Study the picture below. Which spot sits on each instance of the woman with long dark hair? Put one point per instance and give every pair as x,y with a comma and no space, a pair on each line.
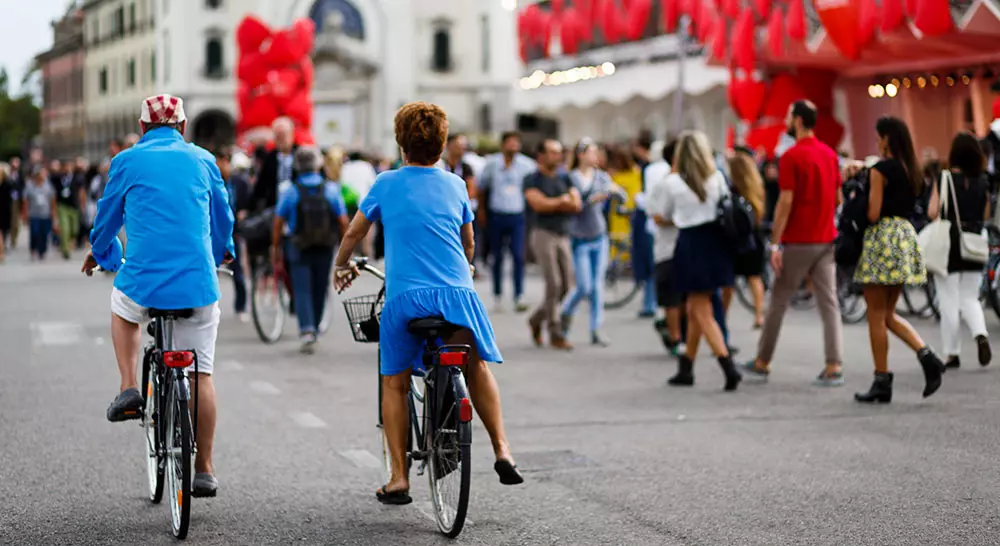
748,184
891,259
968,192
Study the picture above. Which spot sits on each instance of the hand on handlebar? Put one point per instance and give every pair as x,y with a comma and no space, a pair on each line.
89,265
344,275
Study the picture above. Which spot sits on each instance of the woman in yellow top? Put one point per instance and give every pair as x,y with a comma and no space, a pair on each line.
627,176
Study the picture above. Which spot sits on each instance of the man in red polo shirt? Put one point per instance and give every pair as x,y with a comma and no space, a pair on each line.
802,241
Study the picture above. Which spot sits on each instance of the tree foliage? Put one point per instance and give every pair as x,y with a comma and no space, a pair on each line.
20,119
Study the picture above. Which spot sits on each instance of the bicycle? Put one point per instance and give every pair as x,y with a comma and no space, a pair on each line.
271,301
170,424
440,437
989,290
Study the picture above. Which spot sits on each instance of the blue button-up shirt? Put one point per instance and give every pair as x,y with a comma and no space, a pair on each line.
506,183
171,199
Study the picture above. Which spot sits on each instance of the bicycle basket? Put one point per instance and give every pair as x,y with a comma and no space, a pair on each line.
363,315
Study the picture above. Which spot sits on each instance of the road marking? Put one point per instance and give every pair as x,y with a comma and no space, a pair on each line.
56,333
305,419
264,387
362,458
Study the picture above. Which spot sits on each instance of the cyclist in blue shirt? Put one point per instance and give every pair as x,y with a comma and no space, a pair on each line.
427,220
171,199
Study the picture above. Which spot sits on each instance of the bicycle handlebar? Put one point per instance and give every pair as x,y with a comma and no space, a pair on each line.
361,262
221,269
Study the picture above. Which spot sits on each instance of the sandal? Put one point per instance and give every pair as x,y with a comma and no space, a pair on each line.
508,472
397,498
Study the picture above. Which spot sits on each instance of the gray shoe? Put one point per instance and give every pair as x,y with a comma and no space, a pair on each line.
751,371
824,379
308,343
126,406
204,485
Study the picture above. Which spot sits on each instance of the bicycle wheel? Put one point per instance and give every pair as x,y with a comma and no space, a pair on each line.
178,455
151,425
619,282
450,449
268,304
852,305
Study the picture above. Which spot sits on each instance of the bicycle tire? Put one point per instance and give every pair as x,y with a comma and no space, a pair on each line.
993,297
619,271
273,333
179,464
452,526
155,469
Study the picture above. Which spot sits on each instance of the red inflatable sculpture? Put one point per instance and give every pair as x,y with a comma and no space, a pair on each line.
275,76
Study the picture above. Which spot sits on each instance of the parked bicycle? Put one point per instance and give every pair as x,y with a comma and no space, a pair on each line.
440,438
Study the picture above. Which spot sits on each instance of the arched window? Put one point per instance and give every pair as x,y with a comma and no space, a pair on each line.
441,56
325,12
213,58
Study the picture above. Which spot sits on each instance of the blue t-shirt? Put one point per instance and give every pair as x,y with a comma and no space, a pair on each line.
288,202
173,203
422,210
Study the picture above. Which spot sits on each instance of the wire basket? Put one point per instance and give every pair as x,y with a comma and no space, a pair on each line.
363,314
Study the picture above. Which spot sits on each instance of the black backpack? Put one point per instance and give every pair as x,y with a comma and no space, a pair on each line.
736,218
315,224
852,224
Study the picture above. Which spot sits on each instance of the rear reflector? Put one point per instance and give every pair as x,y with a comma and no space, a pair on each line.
464,410
991,274
453,359
178,359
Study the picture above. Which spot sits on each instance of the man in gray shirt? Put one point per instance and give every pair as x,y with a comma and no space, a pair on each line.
554,200
501,193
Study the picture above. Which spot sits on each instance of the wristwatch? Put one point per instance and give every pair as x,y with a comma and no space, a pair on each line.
774,248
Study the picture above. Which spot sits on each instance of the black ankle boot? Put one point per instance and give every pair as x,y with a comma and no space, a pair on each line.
984,349
933,368
733,376
685,373
881,390
953,363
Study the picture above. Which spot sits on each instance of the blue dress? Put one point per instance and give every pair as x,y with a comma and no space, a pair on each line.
422,211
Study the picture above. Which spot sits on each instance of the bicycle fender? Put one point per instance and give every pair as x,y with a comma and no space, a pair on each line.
461,391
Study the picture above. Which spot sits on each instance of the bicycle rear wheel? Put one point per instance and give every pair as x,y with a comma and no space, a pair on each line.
268,304
151,426
450,449
619,282
178,455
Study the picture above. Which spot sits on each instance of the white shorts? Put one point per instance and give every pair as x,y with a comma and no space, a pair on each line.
198,332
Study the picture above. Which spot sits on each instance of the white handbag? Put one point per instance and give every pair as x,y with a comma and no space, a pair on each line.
935,239
973,246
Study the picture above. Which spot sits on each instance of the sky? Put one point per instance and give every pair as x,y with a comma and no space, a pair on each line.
26,32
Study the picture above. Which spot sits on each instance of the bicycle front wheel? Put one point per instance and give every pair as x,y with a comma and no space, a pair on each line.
450,457
268,304
178,455
619,282
151,426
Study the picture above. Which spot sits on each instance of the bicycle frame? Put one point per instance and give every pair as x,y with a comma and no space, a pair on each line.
435,383
171,378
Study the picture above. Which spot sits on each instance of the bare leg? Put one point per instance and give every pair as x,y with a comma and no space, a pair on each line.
757,288
694,332
700,311
727,298
898,325
126,337
204,389
396,423
485,396
878,311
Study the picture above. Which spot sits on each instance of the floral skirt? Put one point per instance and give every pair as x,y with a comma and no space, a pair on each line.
890,255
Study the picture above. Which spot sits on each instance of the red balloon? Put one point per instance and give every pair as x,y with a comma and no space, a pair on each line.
840,19
744,45
585,15
257,111
300,109
747,98
933,17
817,86
638,17
776,34
251,33
718,41
569,34
912,7
557,6
284,82
868,20
763,8
283,50
892,15
829,131
706,24
304,137
730,137
252,69
304,34
765,137
731,8
611,25
670,12
308,72
796,21
546,21
784,91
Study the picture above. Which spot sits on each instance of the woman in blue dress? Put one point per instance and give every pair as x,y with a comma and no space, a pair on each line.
427,220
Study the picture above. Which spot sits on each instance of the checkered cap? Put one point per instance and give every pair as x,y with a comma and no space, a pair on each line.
162,109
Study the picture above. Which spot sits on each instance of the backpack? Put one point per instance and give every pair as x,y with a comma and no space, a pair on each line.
736,218
315,224
852,224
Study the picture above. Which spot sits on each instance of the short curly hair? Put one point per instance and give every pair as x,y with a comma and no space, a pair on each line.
421,131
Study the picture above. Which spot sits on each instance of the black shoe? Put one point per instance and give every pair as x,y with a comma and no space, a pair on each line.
685,373
733,376
881,390
933,368
953,363
733,351
126,406
985,351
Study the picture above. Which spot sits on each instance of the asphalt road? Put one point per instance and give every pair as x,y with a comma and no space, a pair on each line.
610,453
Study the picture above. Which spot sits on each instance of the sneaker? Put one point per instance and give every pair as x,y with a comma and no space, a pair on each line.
751,371
243,317
597,339
678,349
308,341
824,379
126,406
565,322
520,307
204,485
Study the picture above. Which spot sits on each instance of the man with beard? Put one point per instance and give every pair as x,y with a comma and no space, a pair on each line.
802,242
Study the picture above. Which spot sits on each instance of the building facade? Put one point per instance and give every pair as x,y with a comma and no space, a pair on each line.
63,118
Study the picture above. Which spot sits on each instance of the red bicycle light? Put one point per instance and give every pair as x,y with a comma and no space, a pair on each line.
464,410
453,358
178,359
991,274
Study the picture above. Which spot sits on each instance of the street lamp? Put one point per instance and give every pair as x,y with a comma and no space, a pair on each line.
682,38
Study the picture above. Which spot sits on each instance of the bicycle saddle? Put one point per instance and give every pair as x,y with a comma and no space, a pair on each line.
432,327
171,313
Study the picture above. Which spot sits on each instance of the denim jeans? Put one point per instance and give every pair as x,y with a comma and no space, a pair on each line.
40,229
510,228
590,261
310,274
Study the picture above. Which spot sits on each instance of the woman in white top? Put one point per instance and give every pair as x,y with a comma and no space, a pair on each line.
703,258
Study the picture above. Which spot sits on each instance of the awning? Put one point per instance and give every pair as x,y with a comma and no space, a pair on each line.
651,80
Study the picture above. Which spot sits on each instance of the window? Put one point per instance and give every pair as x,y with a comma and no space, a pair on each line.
441,60
130,72
102,81
131,17
120,21
213,58
484,34
213,4
485,117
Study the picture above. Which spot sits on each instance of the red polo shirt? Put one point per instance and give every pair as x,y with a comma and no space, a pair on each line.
811,171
